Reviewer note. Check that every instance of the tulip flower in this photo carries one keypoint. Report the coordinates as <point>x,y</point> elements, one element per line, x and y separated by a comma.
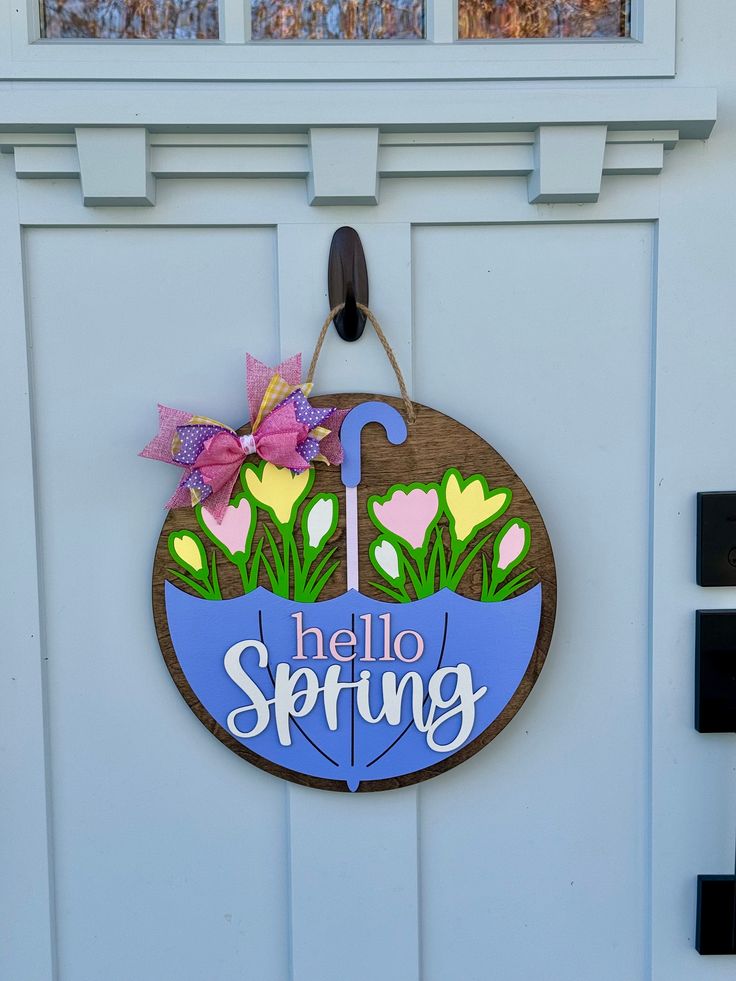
<point>511,545</point>
<point>408,511</point>
<point>186,549</point>
<point>385,558</point>
<point>509,549</point>
<point>319,521</point>
<point>392,564</point>
<point>471,505</point>
<point>278,489</point>
<point>235,532</point>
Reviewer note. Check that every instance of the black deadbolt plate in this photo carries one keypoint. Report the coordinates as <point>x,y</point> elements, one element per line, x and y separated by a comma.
<point>715,671</point>
<point>716,560</point>
<point>716,925</point>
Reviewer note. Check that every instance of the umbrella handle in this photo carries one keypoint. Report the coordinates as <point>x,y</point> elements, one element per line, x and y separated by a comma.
<point>350,437</point>
<point>352,428</point>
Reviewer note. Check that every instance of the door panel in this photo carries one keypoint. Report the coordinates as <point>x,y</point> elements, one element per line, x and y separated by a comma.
<point>167,851</point>
<point>534,853</point>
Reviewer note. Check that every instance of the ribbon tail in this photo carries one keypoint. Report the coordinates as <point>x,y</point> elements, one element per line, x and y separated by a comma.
<point>181,498</point>
<point>159,448</point>
<point>291,369</point>
<point>330,446</point>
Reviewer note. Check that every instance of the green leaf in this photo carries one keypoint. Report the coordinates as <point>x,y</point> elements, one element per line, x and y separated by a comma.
<point>511,587</point>
<point>390,592</point>
<point>323,562</point>
<point>193,585</point>
<point>485,588</point>
<point>321,583</point>
<point>250,582</point>
<point>273,579</point>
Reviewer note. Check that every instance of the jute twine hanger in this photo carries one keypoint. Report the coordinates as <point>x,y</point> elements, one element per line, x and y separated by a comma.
<point>408,404</point>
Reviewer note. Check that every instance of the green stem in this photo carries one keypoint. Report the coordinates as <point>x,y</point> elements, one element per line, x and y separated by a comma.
<point>456,550</point>
<point>400,595</point>
<point>292,566</point>
<point>282,574</point>
<point>286,551</point>
<point>214,585</point>
<point>252,580</point>
<point>301,575</point>
<point>458,574</point>
<point>414,576</point>
<point>427,587</point>
<point>242,568</point>
<point>442,559</point>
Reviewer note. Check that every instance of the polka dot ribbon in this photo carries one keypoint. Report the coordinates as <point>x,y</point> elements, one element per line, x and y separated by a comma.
<point>287,432</point>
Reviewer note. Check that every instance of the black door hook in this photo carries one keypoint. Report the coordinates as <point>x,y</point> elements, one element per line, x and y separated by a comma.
<point>347,282</point>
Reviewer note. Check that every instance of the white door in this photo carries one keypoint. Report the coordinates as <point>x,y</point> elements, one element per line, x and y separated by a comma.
<point>154,230</point>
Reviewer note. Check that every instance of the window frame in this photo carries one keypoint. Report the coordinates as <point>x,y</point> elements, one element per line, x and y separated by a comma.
<point>441,56</point>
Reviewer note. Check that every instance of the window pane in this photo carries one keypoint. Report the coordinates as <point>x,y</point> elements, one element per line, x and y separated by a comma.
<point>179,20</point>
<point>543,18</point>
<point>346,20</point>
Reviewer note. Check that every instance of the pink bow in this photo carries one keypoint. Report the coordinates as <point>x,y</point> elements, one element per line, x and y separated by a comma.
<point>290,433</point>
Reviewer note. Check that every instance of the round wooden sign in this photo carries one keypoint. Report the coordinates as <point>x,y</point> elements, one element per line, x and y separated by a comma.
<point>364,626</point>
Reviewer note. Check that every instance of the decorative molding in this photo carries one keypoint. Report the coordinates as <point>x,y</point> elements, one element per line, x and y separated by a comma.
<point>568,164</point>
<point>343,165</point>
<point>115,166</point>
<point>421,106</point>
<point>561,161</point>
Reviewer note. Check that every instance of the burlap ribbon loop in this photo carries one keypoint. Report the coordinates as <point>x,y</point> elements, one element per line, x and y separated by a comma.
<point>408,404</point>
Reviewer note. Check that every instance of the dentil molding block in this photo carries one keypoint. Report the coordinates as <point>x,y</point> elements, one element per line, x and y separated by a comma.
<point>343,165</point>
<point>568,164</point>
<point>114,166</point>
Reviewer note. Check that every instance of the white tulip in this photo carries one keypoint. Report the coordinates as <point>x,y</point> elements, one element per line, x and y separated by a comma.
<point>319,522</point>
<point>386,558</point>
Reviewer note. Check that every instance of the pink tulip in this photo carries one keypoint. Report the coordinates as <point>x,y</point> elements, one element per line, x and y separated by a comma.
<point>511,546</point>
<point>408,515</point>
<point>232,532</point>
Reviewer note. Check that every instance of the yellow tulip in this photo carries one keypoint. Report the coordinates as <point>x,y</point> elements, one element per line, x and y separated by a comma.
<point>187,550</point>
<point>278,489</point>
<point>470,505</point>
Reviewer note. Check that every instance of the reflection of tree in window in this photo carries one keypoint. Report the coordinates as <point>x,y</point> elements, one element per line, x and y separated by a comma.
<point>337,19</point>
<point>543,18</point>
<point>174,19</point>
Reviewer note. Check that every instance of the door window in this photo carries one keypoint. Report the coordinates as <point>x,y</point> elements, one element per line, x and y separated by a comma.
<point>339,20</point>
<point>177,20</point>
<point>543,18</point>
